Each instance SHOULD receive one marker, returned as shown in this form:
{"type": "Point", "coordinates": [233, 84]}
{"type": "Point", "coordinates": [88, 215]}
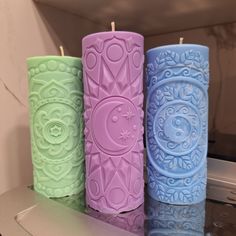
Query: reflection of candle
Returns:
{"type": "Point", "coordinates": [167, 219]}
{"type": "Point", "coordinates": [132, 221]}
{"type": "Point", "coordinates": [113, 65]}
{"type": "Point", "coordinates": [55, 95]}
{"type": "Point", "coordinates": [177, 119]}
{"type": "Point", "coordinates": [75, 201]}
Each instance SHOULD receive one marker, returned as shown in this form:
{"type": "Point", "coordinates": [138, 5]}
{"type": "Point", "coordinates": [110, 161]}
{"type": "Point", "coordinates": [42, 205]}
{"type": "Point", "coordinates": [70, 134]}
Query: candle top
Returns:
{"type": "Point", "coordinates": [53, 62]}
{"type": "Point", "coordinates": [177, 46]}
{"type": "Point", "coordinates": [53, 57]}
{"type": "Point", "coordinates": [105, 34]}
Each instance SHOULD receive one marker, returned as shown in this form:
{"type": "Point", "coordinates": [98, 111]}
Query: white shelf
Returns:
{"type": "Point", "coordinates": [151, 17]}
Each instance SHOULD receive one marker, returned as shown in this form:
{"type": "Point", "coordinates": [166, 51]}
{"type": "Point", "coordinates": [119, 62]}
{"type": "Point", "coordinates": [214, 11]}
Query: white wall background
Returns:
{"type": "Point", "coordinates": [27, 31]}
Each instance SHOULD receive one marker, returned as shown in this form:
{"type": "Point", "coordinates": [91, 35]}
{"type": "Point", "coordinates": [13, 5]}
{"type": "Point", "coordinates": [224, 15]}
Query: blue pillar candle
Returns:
{"type": "Point", "coordinates": [177, 123]}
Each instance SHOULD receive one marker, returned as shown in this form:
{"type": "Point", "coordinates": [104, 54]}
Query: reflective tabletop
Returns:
{"type": "Point", "coordinates": [153, 218]}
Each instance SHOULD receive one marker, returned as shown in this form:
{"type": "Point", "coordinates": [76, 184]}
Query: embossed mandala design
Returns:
{"type": "Point", "coordinates": [113, 123]}
{"type": "Point", "coordinates": [56, 128]}
{"type": "Point", "coordinates": [177, 127]}
{"type": "Point", "coordinates": [177, 118]}
{"type": "Point", "coordinates": [176, 124]}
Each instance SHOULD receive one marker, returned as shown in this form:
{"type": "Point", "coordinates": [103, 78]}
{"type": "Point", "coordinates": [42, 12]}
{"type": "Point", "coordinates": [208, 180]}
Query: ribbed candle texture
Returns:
{"type": "Point", "coordinates": [177, 123]}
{"type": "Point", "coordinates": [113, 98]}
{"type": "Point", "coordinates": [56, 115]}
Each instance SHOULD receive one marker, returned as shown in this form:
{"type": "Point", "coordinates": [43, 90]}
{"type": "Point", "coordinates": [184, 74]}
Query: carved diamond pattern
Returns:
{"type": "Point", "coordinates": [120, 166]}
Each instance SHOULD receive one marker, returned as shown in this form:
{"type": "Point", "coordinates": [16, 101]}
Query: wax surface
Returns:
{"type": "Point", "coordinates": [177, 123]}
{"type": "Point", "coordinates": [167, 219]}
{"type": "Point", "coordinates": [113, 86]}
{"type": "Point", "coordinates": [56, 106]}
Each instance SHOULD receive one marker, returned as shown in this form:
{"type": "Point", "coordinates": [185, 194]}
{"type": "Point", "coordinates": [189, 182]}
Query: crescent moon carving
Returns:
{"type": "Point", "coordinates": [101, 134]}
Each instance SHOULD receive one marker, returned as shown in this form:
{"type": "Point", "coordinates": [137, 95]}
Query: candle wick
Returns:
{"type": "Point", "coordinates": [181, 39]}
{"type": "Point", "coordinates": [62, 51]}
{"type": "Point", "coordinates": [113, 26]}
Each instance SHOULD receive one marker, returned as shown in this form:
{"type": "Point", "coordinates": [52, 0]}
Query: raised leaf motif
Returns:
{"type": "Point", "coordinates": [177, 124]}
{"type": "Point", "coordinates": [185, 163]}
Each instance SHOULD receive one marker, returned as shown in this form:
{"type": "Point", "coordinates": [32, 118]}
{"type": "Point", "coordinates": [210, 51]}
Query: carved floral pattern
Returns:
{"type": "Point", "coordinates": [56, 127]}
{"type": "Point", "coordinates": [190, 62]}
{"type": "Point", "coordinates": [177, 117]}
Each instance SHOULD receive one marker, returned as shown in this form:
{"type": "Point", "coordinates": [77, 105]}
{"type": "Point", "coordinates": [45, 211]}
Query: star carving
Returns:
{"type": "Point", "coordinates": [128, 115]}
{"type": "Point", "coordinates": [124, 135]}
{"type": "Point", "coordinates": [55, 131]}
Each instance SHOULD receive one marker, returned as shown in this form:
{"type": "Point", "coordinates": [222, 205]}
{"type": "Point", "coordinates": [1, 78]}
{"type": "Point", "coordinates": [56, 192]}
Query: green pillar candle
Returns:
{"type": "Point", "coordinates": [56, 110]}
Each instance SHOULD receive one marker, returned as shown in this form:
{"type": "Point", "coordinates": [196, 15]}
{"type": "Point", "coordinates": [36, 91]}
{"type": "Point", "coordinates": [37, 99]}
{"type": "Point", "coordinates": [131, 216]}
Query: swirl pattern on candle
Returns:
{"type": "Point", "coordinates": [113, 122]}
{"type": "Point", "coordinates": [193, 62]}
{"type": "Point", "coordinates": [176, 125]}
{"type": "Point", "coordinates": [177, 116]}
{"type": "Point", "coordinates": [57, 128]}
{"type": "Point", "coordinates": [172, 190]}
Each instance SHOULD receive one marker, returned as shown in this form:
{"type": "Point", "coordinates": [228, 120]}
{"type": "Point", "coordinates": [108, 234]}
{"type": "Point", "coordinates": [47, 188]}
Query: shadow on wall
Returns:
{"type": "Point", "coordinates": [224, 115]}
{"type": "Point", "coordinates": [66, 29]}
{"type": "Point", "coordinates": [18, 164]}
{"type": "Point", "coordinates": [225, 35]}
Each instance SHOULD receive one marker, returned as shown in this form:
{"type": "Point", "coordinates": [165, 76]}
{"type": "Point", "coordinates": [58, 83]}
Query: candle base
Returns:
{"type": "Point", "coordinates": [99, 206]}
{"type": "Point", "coordinates": [179, 191]}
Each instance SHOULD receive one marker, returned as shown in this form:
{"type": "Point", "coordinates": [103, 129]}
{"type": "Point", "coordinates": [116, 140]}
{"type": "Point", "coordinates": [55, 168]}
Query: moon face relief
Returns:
{"type": "Point", "coordinates": [115, 125]}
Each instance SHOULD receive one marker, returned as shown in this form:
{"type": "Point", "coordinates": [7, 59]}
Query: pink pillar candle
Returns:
{"type": "Point", "coordinates": [113, 97]}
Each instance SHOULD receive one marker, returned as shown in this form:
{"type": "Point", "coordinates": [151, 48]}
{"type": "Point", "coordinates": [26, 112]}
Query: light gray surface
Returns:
{"type": "Point", "coordinates": [221, 181]}
{"type": "Point", "coordinates": [24, 212]}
